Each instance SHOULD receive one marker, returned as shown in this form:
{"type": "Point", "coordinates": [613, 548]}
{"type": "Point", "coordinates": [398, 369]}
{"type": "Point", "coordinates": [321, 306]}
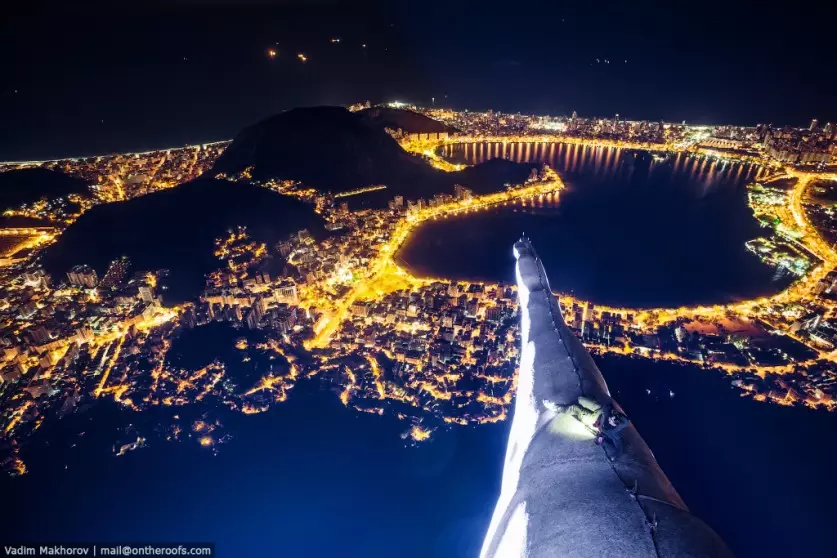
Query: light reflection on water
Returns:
{"type": "Point", "coordinates": [606, 162]}
{"type": "Point", "coordinates": [632, 228]}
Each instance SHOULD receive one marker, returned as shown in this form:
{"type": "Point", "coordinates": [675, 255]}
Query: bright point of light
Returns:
{"type": "Point", "coordinates": [302, 57]}
{"type": "Point", "coordinates": [397, 104]}
{"type": "Point", "coordinates": [271, 53]}
{"type": "Point", "coordinates": [419, 434]}
{"type": "Point", "coordinates": [569, 427]}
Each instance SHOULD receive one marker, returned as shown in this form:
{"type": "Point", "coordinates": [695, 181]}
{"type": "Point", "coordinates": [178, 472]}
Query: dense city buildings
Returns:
{"type": "Point", "coordinates": [809, 146]}
{"type": "Point", "coordinates": [343, 308]}
{"type": "Point", "coordinates": [124, 176]}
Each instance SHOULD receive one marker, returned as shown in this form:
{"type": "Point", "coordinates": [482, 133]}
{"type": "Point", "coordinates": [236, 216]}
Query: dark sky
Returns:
{"type": "Point", "coordinates": [81, 80]}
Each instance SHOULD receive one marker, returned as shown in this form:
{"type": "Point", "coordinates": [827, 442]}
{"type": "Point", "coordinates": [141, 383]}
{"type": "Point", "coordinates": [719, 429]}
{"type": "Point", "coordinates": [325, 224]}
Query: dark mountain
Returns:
{"type": "Point", "coordinates": [334, 150]}
{"type": "Point", "coordinates": [175, 229]}
{"type": "Point", "coordinates": [326, 147]}
{"type": "Point", "coordinates": [400, 119]}
{"type": "Point", "coordinates": [28, 185]}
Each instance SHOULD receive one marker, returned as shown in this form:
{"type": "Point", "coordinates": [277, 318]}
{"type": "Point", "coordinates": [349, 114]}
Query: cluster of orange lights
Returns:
{"type": "Point", "coordinates": [383, 275]}
{"type": "Point", "coordinates": [272, 53]}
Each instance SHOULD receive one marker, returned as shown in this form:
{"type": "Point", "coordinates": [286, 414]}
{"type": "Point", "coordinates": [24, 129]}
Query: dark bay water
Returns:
{"type": "Point", "coordinates": [312, 478]}
{"type": "Point", "coordinates": [309, 478]}
{"type": "Point", "coordinates": [628, 230]}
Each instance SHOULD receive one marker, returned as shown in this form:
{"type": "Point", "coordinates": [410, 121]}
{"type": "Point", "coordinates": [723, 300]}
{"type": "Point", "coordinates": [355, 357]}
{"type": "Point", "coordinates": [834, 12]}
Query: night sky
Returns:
{"type": "Point", "coordinates": [78, 80]}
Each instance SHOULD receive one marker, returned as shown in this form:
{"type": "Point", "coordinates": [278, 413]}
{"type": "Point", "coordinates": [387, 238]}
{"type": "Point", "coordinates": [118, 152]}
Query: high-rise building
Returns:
{"type": "Point", "coordinates": [286, 292]}
{"type": "Point", "coordinates": [494, 314]}
{"type": "Point", "coordinates": [573, 122]}
{"type": "Point", "coordinates": [40, 335]}
{"type": "Point", "coordinates": [281, 322]}
{"type": "Point", "coordinates": [37, 278]}
{"type": "Point", "coordinates": [259, 307]}
{"type": "Point", "coordinates": [252, 319]}
{"type": "Point", "coordinates": [285, 248]}
{"type": "Point", "coordinates": [462, 193]}
{"type": "Point", "coordinates": [813, 125]}
{"type": "Point", "coordinates": [146, 293]}
{"type": "Point", "coordinates": [83, 276]}
{"type": "Point", "coordinates": [84, 335]}
{"type": "Point", "coordinates": [116, 273]}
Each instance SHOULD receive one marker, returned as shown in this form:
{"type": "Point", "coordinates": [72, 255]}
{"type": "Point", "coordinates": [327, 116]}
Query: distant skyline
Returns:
{"type": "Point", "coordinates": [79, 81]}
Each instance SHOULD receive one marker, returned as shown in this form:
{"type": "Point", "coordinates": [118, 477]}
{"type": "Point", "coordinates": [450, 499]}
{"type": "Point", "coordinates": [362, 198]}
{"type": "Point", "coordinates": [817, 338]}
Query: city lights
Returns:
{"type": "Point", "coordinates": [345, 309]}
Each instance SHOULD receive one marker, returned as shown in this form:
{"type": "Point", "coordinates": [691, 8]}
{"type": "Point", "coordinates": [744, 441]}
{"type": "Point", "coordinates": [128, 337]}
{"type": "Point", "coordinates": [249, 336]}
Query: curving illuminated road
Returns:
{"type": "Point", "coordinates": [384, 275]}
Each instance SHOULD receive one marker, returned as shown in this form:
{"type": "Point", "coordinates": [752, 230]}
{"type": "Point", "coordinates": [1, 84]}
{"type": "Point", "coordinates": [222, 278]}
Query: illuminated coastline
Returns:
{"type": "Point", "coordinates": [368, 326]}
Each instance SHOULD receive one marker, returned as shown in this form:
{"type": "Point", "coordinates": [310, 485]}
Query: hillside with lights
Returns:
{"type": "Point", "coordinates": [407, 121]}
{"type": "Point", "coordinates": [176, 229]}
{"type": "Point", "coordinates": [334, 150]}
{"type": "Point", "coordinates": [26, 186]}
